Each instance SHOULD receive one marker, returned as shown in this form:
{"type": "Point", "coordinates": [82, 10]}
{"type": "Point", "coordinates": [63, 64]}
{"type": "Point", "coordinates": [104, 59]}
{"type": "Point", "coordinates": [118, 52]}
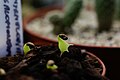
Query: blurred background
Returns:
{"type": "Point", "coordinates": [93, 17]}
{"type": "Point", "coordinates": [30, 6]}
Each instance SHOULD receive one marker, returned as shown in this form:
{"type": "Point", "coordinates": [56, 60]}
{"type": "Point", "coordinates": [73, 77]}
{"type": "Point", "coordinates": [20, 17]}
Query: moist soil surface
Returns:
{"type": "Point", "coordinates": [73, 65]}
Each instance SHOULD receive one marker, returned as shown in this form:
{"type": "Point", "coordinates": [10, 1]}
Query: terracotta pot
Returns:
{"type": "Point", "coordinates": [107, 54]}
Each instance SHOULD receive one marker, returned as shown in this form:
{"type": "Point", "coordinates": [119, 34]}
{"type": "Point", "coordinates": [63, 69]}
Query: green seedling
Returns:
{"type": "Point", "coordinates": [62, 44]}
{"type": "Point", "coordinates": [51, 65]}
{"type": "Point", "coordinates": [27, 47]}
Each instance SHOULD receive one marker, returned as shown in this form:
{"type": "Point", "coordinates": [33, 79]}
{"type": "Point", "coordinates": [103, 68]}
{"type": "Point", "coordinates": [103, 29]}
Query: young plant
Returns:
{"type": "Point", "coordinates": [51, 65]}
{"type": "Point", "coordinates": [71, 12]}
{"type": "Point", "coordinates": [62, 44]}
{"type": "Point", "coordinates": [27, 47]}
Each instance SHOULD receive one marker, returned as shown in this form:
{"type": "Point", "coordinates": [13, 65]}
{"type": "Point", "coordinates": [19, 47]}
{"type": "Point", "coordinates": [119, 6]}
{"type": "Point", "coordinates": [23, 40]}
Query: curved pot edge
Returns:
{"type": "Point", "coordinates": [100, 61]}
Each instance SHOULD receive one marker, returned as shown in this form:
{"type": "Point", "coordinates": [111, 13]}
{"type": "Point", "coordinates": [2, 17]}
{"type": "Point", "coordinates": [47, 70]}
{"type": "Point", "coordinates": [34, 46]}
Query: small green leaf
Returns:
{"type": "Point", "coordinates": [62, 44]}
{"type": "Point", "coordinates": [51, 65]}
{"type": "Point", "coordinates": [27, 47]}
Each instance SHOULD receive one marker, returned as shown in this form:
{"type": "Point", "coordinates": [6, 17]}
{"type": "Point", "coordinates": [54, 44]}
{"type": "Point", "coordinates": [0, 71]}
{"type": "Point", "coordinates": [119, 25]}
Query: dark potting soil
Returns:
{"type": "Point", "coordinates": [72, 65]}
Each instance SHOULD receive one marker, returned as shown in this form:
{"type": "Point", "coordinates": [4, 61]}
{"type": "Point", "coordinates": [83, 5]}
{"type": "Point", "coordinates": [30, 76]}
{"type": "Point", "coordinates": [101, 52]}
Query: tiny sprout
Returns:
{"type": "Point", "coordinates": [27, 47]}
{"type": "Point", "coordinates": [62, 44]}
{"type": "Point", "coordinates": [51, 65]}
{"type": "Point", "coordinates": [2, 72]}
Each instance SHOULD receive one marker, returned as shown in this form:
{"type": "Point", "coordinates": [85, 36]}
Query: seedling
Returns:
{"type": "Point", "coordinates": [62, 44]}
{"type": "Point", "coordinates": [51, 65]}
{"type": "Point", "coordinates": [27, 47]}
